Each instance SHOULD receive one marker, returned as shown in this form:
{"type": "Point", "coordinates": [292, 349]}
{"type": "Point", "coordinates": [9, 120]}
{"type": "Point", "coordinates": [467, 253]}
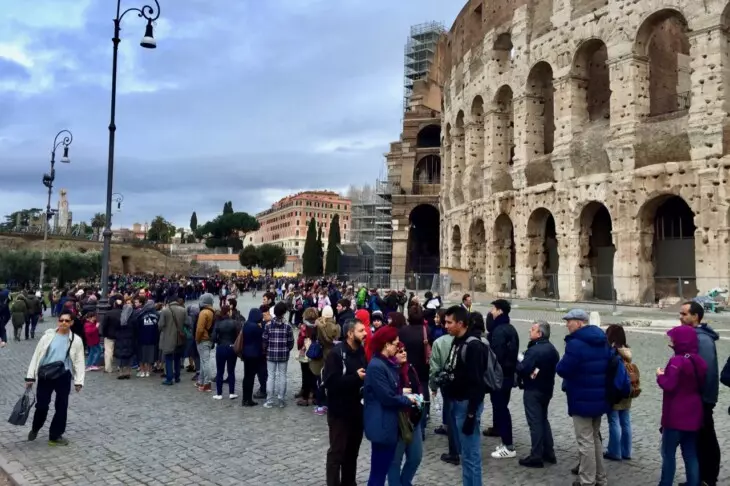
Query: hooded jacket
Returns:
{"type": "Point", "coordinates": [682, 382]}
{"type": "Point", "coordinates": [252, 335]}
{"type": "Point", "coordinates": [505, 342]}
{"type": "Point", "coordinates": [363, 316]}
{"type": "Point", "coordinates": [706, 337]}
{"type": "Point", "coordinates": [626, 355]}
{"type": "Point", "coordinates": [170, 325]}
{"type": "Point", "coordinates": [583, 370]}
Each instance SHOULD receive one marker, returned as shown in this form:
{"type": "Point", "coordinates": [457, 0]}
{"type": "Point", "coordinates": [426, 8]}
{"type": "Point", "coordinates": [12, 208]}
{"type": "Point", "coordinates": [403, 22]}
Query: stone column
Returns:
{"type": "Point", "coordinates": [445, 192]}
{"type": "Point", "coordinates": [521, 139]}
{"type": "Point", "coordinates": [712, 249]}
{"type": "Point", "coordinates": [475, 159]}
{"type": "Point", "coordinates": [457, 168]}
{"type": "Point", "coordinates": [570, 274]}
{"type": "Point", "coordinates": [630, 268]}
{"type": "Point", "coordinates": [469, 160]}
{"type": "Point", "coordinates": [565, 100]}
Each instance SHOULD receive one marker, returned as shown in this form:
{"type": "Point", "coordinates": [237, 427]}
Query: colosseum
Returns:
{"type": "Point", "coordinates": [585, 148]}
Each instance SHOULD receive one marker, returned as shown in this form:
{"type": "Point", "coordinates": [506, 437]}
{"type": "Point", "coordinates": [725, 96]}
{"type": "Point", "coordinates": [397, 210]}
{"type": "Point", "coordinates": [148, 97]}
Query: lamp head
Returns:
{"type": "Point", "coordinates": [65, 159]}
{"type": "Point", "coordinates": [148, 41]}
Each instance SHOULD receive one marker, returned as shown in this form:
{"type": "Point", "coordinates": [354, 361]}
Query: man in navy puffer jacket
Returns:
{"type": "Point", "coordinates": [583, 369]}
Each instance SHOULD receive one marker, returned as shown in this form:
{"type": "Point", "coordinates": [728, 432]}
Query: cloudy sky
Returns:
{"type": "Point", "coordinates": [243, 100]}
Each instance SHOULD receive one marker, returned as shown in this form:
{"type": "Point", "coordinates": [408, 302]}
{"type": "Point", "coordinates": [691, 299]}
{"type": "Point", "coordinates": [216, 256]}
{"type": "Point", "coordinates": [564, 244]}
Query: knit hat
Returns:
{"type": "Point", "coordinates": [206, 299]}
{"type": "Point", "coordinates": [327, 312]}
{"type": "Point", "coordinates": [386, 334]}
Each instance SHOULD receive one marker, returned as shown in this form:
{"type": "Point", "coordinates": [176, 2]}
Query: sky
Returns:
{"type": "Point", "coordinates": [245, 100]}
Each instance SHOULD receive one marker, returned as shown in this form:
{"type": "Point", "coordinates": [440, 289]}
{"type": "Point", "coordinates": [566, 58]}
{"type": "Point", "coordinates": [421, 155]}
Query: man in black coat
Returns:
{"type": "Point", "coordinates": [536, 375]}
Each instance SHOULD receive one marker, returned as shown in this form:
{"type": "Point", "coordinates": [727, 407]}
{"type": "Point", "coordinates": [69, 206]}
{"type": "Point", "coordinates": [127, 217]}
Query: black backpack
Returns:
{"type": "Point", "coordinates": [493, 376]}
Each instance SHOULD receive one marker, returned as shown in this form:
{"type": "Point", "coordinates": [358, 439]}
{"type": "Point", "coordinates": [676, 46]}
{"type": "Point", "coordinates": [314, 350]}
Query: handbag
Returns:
{"type": "Point", "coordinates": [21, 410]}
{"type": "Point", "coordinates": [52, 371]}
{"type": "Point", "coordinates": [405, 427]}
{"type": "Point", "coordinates": [426, 346]}
{"type": "Point", "coordinates": [238, 344]}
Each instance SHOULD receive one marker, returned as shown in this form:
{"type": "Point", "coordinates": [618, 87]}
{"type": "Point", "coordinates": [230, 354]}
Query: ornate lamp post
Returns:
{"type": "Point", "coordinates": [148, 41]}
{"type": "Point", "coordinates": [63, 138]}
{"type": "Point", "coordinates": [119, 199]}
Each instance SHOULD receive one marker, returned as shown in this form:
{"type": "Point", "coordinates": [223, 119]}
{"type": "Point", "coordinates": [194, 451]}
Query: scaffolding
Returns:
{"type": "Point", "coordinates": [419, 51]}
{"type": "Point", "coordinates": [372, 228]}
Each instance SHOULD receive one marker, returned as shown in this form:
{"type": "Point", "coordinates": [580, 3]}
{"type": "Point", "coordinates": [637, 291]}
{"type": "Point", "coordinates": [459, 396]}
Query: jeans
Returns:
{"type": "Point", "coordinates": [708, 450]}
{"type": "Point", "coordinates": [94, 354]}
{"type": "Point", "coordinates": [108, 355]}
{"type": "Point", "coordinates": [225, 359]}
{"type": "Point", "coordinates": [541, 434]}
{"type": "Point", "coordinates": [205, 375]}
{"type": "Point", "coordinates": [471, 454]}
{"type": "Point", "coordinates": [619, 434]}
{"type": "Point", "coordinates": [451, 432]}
{"type": "Point", "coordinates": [250, 368]}
{"type": "Point", "coordinates": [413, 453]}
{"type": "Point", "coordinates": [345, 434]}
{"type": "Point", "coordinates": [672, 438]}
{"type": "Point", "coordinates": [62, 387]}
{"type": "Point", "coordinates": [381, 457]}
{"type": "Point", "coordinates": [500, 411]}
{"type": "Point", "coordinates": [173, 363]}
{"type": "Point", "coordinates": [30, 324]}
{"type": "Point", "coordinates": [276, 385]}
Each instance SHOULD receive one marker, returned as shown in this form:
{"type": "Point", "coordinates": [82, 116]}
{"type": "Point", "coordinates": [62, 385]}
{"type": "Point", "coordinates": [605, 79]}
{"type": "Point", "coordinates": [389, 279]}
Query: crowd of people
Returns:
{"type": "Point", "coordinates": [373, 362]}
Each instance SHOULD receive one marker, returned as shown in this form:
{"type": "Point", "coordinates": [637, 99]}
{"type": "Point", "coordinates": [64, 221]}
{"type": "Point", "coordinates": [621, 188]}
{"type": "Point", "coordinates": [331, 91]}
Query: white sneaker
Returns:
{"type": "Point", "coordinates": [504, 453]}
{"type": "Point", "coordinates": [140, 374]}
{"type": "Point", "coordinates": [217, 397]}
{"type": "Point", "coordinates": [233, 396]}
{"type": "Point", "coordinates": [268, 404]}
{"type": "Point", "coordinates": [146, 374]}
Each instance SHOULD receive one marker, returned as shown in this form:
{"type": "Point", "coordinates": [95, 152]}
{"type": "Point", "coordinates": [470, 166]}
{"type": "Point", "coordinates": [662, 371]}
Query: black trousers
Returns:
{"type": "Point", "coordinates": [62, 387]}
{"type": "Point", "coordinates": [263, 374]}
{"type": "Point", "coordinates": [345, 439]}
{"type": "Point", "coordinates": [250, 369]}
{"type": "Point", "coordinates": [708, 450]}
{"type": "Point", "coordinates": [541, 435]}
{"type": "Point", "coordinates": [309, 381]}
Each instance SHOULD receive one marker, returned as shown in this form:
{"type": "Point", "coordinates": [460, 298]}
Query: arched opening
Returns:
{"type": "Point", "coordinates": [429, 137]}
{"type": "Point", "coordinates": [663, 39]}
{"type": "Point", "coordinates": [591, 76]}
{"type": "Point", "coordinates": [540, 132]}
{"type": "Point", "coordinates": [543, 259]}
{"type": "Point", "coordinates": [476, 149]}
{"type": "Point", "coordinates": [504, 254]}
{"type": "Point", "coordinates": [459, 158]}
{"type": "Point", "coordinates": [126, 264]}
{"type": "Point", "coordinates": [667, 256]}
{"type": "Point", "coordinates": [478, 254]}
{"type": "Point", "coordinates": [427, 175]}
{"type": "Point", "coordinates": [503, 51]}
{"type": "Point", "coordinates": [596, 251]}
{"type": "Point", "coordinates": [503, 145]}
{"type": "Point", "coordinates": [423, 243]}
{"type": "Point", "coordinates": [447, 174]}
{"type": "Point", "coordinates": [456, 247]}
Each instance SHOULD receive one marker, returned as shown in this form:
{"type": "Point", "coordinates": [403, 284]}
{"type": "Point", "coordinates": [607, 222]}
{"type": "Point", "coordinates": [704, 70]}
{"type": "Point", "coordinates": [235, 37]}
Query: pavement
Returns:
{"type": "Point", "coordinates": [137, 432]}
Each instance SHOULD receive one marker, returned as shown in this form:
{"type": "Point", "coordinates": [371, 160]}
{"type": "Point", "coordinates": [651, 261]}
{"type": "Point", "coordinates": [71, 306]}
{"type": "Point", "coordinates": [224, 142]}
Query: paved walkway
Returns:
{"type": "Point", "coordinates": [137, 432]}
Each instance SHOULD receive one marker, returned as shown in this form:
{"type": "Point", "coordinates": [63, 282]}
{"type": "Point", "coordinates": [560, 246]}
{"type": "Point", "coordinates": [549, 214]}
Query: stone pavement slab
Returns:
{"type": "Point", "coordinates": [137, 432]}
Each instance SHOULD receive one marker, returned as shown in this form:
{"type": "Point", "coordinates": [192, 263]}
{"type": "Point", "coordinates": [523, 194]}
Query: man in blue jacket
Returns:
{"type": "Point", "coordinates": [583, 369]}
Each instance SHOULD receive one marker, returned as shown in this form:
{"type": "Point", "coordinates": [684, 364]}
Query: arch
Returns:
{"type": "Point", "coordinates": [503, 135]}
{"type": "Point", "coordinates": [591, 77]}
{"type": "Point", "coordinates": [503, 50]}
{"type": "Point", "coordinates": [429, 136]}
{"type": "Point", "coordinates": [423, 241]}
{"type": "Point", "coordinates": [543, 258]}
{"type": "Point", "coordinates": [477, 258]}
{"type": "Point", "coordinates": [458, 162]}
{"type": "Point", "coordinates": [427, 173]}
{"type": "Point", "coordinates": [662, 38]}
{"type": "Point", "coordinates": [596, 252]}
{"type": "Point", "coordinates": [476, 150]}
{"type": "Point", "coordinates": [666, 230]}
{"type": "Point", "coordinates": [504, 254]}
{"type": "Point", "coordinates": [456, 247]}
{"type": "Point", "coordinates": [477, 108]}
{"type": "Point", "coordinates": [540, 92]}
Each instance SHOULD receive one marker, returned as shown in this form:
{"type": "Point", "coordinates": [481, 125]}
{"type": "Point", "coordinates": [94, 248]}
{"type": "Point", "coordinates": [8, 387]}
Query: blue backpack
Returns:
{"type": "Point", "coordinates": [618, 382]}
{"type": "Point", "coordinates": [315, 351]}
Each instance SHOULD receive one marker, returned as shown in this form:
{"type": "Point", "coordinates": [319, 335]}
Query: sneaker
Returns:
{"type": "Point", "coordinates": [249, 403]}
{"type": "Point", "coordinates": [217, 397]}
{"type": "Point", "coordinates": [146, 374]}
{"type": "Point", "coordinates": [207, 388]}
{"type": "Point", "coordinates": [167, 383]}
{"type": "Point", "coordinates": [140, 374]}
{"type": "Point", "coordinates": [268, 404]}
{"type": "Point", "coordinates": [32, 435]}
{"type": "Point", "coordinates": [88, 368]}
{"type": "Point", "coordinates": [320, 411]}
{"type": "Point", "coordinates": [440, 430]}
{"type": "Point", "coordinates": [94, 368]}
{"type": "Point", "coordinates": [232, 396]}
{"type": "Point", "coordinates": [282, 404]}
{"type": "Point", "coordinates": [58, 442]}
{"type": "Point", "coordinates": [504, 453]}
{"type": "Point", "coordinates": [610, 457]}
{"type": "Point", "coordinates": [195, 377]}
{"type": "Point", "coordinates": [531, 462]}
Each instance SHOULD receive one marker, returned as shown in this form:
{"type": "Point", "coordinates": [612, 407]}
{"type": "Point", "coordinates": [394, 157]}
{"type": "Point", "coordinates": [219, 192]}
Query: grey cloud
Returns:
{"type": "Point", "coordinates": [12, 71]}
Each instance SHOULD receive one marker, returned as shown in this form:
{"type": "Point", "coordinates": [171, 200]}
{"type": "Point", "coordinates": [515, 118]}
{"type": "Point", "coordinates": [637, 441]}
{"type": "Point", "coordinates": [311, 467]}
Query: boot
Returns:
{"type": "Point", "coordinates": [17, 334]}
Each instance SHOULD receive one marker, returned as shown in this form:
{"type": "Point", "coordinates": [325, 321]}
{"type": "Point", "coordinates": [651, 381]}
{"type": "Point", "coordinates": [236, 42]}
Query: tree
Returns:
{"type": "Point", "coordinates": [225, 230]}
{"type": "Point", "coordinates": [191, 239]}
{"type": "Point", "coordinates": [271, 257]}
{"type": "Point", "coordinates": [161, 230]}
{"type": "Point", "coordinates": [333, 252]}
{"type": "Point", "coordinates": [97, 223]}
{"type": "Point", "coordinates": [228, 208]}
{"type": "Point", "coordinates": [320, 253]}
{"type": "Point", "coordinates": [23, 217]}
{"type": "Point", "coordinates": [181, 232]}
{"type": "Point", "coordinates": [23, 266]}
{"type": "Point", "coordinates": [194, 222]}
{"type": "Point", "coordinates": [249, 257]}
{"type": "Point", "coordinates": [309, 257]}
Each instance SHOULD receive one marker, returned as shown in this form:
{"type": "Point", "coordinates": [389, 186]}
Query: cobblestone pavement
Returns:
{"type": "Point", "coordinates": [137, 432]}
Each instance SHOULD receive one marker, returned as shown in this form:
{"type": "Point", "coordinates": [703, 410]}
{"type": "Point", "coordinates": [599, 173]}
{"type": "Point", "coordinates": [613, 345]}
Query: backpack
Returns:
{"type": "Point", "coordinates": [634, 377]}
{"type": "Point", "coordinates": [337, 349]}
{"type": "Point", "coordinates": [493, 376]}
{"type": "Point", "coordinates": [618, 383]}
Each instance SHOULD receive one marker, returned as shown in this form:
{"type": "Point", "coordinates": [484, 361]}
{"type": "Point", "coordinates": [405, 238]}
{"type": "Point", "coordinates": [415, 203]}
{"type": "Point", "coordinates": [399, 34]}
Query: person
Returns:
{"type": "Point", "coordinates": [203, 332]}
{"type": "Point", "coordinates": [505, 342]}
{"type": "Point", "coordinates": [342, 378]}
{"type": "Point", "coordinates": [252, 354]}
{"type": "Point", "coordinates": [263, 372]}
{"type": "Point", "coordinates": [278, 341]}
{"type": "Point", "coordinates": [619, 418]}
{"type": "Point", "coordinates": [225, 331]}
{"type": "Point", "coordinates": [91, 329]}
{"type": "Point", "coordinates": [682, 405]}
{"type": "Point", "coordinates": [172, 339]}
{"type": "Point", "coordinates": [584, 368]}
{"type": "Point", "coordinates": [465, 389]}
{"type": "Point", "coordinates": [108, 330]}
{"type": "Point", "coordinates": [58, 348]}
{"type": "Point", "coordinates": [307, 335]}
{"type": "Point", "coordinates": [148, 335]}
{"type": "Point", "coordinates": [4, 315]}
{"type": "Point", "coordinates": [536, 375]}
{"type": "Point", "coordinates": [19, 313]}
{"type": "Point", "coordinates": [466, 302]}
{"type": "Point", "coordinates": [125, 342]}
{"type": "Point", "coordinates": [708, 449]}
{"type": "Point", "coordinates": [35, 311]}
{"type": "Point", "coordinates": [439, 353]}
{"type": "Point", "coordinates": [326, 332]}
{"type": "Point", "coordinates": [416, 337]}
{"type": "Point", "coordinates": [382, 402]}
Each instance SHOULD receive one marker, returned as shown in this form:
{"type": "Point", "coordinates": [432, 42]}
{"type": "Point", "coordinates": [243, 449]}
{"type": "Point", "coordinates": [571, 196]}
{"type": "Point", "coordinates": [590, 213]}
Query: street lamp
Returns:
{"type": "Point", "coordinates": [63, 138]}
{"type": "Point", "coordinates": [148, 41]}
{"type": "Point", "coordinates": [119, 199]}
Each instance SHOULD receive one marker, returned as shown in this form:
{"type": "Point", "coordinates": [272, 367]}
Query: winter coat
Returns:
{"type": "Point", "coordinates": [204, 328]}
{"type": "Point", "coordinates": [125, 343]}
{"type": "Point", "coordinates": [147, 329]}
{"type": "Point", "coordinates": [225, 332]}
{"type": "Point", "coordinates": [541, 355]}
{"type": "Point", "coordinates": [412, 338]}
{"type": "Point", "coordinates": [342, 382]}
{"type": "Point", "coordinates": [19, 310]}
{"type": "Point", "coordinates": [34, 306]}
{"type": "Point", "coordinates": [75, 354]}
{"type": "Point", "coordinates": [624, 404]}
{"type": "Point", "coordinates": [707, 337]}
{"type": "Point", "coordinates": [382, 401]}
{"type": "Point", "coordinates": [110, 324]}
{"type": "Point", "coordinates": [170, 325]}
{"type": "Point", "coordinates": [439, 354]}
{"type": "Point", "coordinates": [327, 332]}
{"type": "Point", "coordinates": [253, 343]}
{"type": "Point", "coordinates": [682, 382]}
{"type": "Point", "coordinates": [505, 342]}
{"type": "Point", "coordinates": [583, 369]}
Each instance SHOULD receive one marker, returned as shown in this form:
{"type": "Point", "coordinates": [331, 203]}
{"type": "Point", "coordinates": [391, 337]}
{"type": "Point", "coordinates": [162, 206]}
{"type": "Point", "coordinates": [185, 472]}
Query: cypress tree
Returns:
{"type": "Point", "coordinates": [309, 257]}
{"type": "Point", "coordinates": [333, 253]}
{"type": "Point", "coordinates": [320, 253]}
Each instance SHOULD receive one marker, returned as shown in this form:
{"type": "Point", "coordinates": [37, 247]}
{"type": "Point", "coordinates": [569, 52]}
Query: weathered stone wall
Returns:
{"type": "Point", "coordinates": [618, 104]}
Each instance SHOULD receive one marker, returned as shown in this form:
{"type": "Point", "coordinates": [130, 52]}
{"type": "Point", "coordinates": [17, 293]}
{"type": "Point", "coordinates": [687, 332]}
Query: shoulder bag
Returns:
{"type": "Point", "coordinates": [52, 371]}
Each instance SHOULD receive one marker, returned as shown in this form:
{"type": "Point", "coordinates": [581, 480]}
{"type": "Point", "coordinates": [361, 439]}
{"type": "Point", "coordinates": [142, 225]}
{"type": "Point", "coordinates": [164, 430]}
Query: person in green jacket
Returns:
{"type": "Point", "coordinates": [439, 355]}
{"type": "Point", "coordinates": [362, 297]}
{"type": "Point", "coordinates": [19, 313]}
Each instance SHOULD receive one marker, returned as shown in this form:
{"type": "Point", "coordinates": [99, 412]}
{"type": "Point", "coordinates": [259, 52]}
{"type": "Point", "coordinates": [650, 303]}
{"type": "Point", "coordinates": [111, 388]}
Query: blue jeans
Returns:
{"type": "Point", "coordinates": [471, 454]}
{"type": "Point", "coordinates": [413, 453]}
{"type": "Point", "coordinates": [173, 363]}
{"type": "Point", "coordinates": [94, 354]}
{"type": "Point", "coordinates": [381, 457]}
{"type": "Point", "coordinates": [225, 360]}
{"type": "Point", "coordinates": [619, 434]}
{"type": "Point", "coordinates": [451, 431]}
{"type": "Point", "coordinates": [672, 438]}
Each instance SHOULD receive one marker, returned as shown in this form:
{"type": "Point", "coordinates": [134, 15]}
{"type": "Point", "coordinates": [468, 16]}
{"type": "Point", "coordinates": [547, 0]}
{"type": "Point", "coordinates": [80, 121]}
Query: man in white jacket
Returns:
{"type": "Point", "coordinates": [58, 359]}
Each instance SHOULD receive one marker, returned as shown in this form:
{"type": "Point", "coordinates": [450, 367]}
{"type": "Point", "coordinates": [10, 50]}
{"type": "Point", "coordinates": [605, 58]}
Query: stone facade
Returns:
{"type": "Point", "coordinates": [585, 147]}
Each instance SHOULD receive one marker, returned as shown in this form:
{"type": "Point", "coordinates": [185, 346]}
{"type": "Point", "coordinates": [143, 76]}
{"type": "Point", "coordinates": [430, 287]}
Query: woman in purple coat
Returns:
{"type": "Point", "coordinates": [681, 381]}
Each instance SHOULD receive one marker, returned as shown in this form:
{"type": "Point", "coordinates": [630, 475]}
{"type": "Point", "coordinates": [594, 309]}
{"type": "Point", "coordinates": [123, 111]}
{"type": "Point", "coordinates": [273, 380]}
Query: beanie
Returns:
{"type": "Point", "coordinates": [327, 312]}
{"type": "Point", "coordinates": [206, 299]}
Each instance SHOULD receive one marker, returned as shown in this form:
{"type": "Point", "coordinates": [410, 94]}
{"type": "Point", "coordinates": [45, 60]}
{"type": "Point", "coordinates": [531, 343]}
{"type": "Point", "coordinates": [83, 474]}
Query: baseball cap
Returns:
{"type": "Point", "coordinates": [576, 315]}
